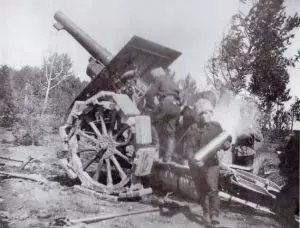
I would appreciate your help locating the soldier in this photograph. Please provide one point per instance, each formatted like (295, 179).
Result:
(166, 113)
(187, 118)
(244, 147)
(205, 175)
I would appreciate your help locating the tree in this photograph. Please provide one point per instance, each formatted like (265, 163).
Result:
(27, 95)
(62, 96)
(252, 53)
(281, 119)
(295, 111)
(56, 68)
(25, 85)
(188, 87)
(6, 97)
(228, 67)
(170, 73)
(269, 31)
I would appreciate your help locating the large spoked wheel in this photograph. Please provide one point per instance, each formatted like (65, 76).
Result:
(102, 149)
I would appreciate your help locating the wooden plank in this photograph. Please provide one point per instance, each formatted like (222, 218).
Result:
(113, 215)
(26, 162)
(96, 194)
(31, 177)
(11, 159)
(256, 206)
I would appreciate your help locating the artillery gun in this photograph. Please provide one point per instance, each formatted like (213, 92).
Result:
(110, 142)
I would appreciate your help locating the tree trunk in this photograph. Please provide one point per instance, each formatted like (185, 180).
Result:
(31, 131)
(46, 98)
(292, 125)
(26, 95)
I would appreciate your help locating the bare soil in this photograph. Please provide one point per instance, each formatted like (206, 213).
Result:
(26, 203)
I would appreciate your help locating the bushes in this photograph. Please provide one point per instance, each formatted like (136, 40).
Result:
(6, 98)
(30, 129)
(277, 136)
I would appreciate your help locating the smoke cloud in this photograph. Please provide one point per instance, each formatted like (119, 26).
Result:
(237, 114)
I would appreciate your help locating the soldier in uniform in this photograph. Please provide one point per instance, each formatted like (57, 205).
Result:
(189, 117)
(166, 113)
(205, 175)
(244, 147)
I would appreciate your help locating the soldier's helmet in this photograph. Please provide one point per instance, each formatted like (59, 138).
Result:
(157, 72)
(203, 105)
(210, 96)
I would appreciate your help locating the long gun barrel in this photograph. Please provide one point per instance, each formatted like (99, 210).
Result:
(98, 52)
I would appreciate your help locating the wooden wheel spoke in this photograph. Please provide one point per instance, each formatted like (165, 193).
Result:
(86, 150)
(121, 131)
(118, 167)
(90, 162)
(89, 132)
(94, 140)
(121, 144)
(109, 180)
(96, 175)
(95, 129)
(124, 143)
(103, 126)
(117, 152)
(113, 121)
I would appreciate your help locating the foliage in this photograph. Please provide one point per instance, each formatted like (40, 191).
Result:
(281, 118)
(269, 31)
(228, 67)
(26, 75)
(56, 68)
(188, 87)
(6, 97)
(28, 96)
(62, 96)
(170, 73)
(253, 51)
(295, 109)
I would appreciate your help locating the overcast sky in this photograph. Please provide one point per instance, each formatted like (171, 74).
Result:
(193, 27)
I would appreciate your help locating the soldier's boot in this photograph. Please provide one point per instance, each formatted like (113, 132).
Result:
(169, 150)
(206, 216)
(204, 202)
(214, 219)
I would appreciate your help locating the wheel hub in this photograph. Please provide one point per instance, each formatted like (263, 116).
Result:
(107, 143)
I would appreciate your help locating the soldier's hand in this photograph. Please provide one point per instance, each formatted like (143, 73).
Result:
(156, 101)
(200, 163)
(180, 121)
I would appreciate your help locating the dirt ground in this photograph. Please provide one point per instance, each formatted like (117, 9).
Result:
(26, 203)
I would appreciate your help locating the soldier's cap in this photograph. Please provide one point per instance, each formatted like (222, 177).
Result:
(203, 105)
(158, 72)
(209, 95)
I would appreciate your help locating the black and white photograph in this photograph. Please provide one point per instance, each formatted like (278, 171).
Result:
(139, 113)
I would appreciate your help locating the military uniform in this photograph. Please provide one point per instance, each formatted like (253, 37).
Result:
(244, 150)
(167, 112)
(206, 177)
